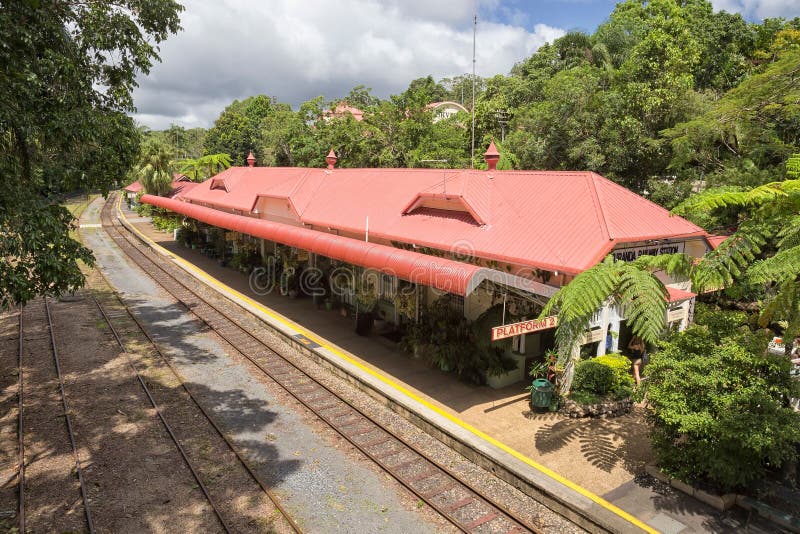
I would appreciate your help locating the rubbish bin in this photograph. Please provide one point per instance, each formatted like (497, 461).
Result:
(541, 393)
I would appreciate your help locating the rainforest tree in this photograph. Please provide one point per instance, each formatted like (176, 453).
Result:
(67, 70)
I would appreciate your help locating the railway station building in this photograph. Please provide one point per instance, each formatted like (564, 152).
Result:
(491, 246)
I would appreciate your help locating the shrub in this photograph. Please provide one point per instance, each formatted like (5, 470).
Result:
(594, 377)
(718, 406)
(621, 365)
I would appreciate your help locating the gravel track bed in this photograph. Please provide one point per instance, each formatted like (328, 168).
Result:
(135, 477)
(398, 504)
(242, 503)
(9, 445)
(52, 493)
(516, 501)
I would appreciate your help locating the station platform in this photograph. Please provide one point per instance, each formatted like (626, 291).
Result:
(603, 458)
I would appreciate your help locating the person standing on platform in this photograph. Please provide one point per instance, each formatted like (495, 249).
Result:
(637, 355)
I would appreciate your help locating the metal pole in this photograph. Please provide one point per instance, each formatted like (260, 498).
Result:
(474, 32)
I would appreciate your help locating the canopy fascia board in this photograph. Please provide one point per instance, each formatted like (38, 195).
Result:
(440, 273)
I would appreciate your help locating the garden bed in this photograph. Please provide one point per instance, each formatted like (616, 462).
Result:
(606, 409)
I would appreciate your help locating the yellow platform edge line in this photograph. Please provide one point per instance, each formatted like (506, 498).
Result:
(343, 355)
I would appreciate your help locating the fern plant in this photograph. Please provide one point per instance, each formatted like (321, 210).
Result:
(612, 281)
(765, 249)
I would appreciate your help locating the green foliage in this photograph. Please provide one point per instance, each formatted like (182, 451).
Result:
(629, 284)
(186, 143)
(539, 370)
(68, 72)
(609, 374)
(723, 323)
(205, 166)
(582, 396)
(793, 167)
(446, 341)
(594, 377)
(764, 250)
(166, 222)
(718, 405)
(154, 170)
(621, 365)
(236, 130)
(757, 121)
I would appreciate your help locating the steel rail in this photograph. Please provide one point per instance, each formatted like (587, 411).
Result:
(400, 478)
(155, 406)
(219, 431)
(79, 471)
(21, 471)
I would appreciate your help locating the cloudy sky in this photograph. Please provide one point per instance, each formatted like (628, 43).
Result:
(297, 50)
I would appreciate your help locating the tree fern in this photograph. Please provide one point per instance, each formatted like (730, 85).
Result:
(673, 264)
(721, 266)
(784, 305)
(645, 300)
(784, 265)
(789, 235)
(793, 167)
(629, 285)
(710, 199)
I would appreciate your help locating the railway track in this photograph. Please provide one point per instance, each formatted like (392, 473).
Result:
(159, 412)
(38, 331)
(444, 491)
(47, 320)
(107, 317)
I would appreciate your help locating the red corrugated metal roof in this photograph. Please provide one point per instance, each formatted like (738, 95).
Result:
(716, 240)
(180, 186)
(446, 275)
(135, 187)
(556, 220)
(676, 295)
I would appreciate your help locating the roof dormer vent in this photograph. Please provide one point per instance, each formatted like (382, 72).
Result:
(491, 156)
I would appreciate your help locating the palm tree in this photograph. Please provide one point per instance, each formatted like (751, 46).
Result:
(155, 169)
(205, 166)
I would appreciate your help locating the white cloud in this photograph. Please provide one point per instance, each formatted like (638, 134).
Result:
(760, 9)
(298, 50)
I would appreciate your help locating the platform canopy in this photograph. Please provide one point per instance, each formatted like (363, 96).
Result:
(441, 273)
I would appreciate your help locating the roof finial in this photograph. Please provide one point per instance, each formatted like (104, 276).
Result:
(491, 156)
(331, 159)
(251, 160)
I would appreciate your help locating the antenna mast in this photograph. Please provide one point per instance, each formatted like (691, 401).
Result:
(474, 32)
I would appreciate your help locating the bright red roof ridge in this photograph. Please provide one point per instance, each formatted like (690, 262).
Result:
(556, 220)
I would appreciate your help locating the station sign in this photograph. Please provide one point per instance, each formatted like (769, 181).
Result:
(631, 253)
(524, 327)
